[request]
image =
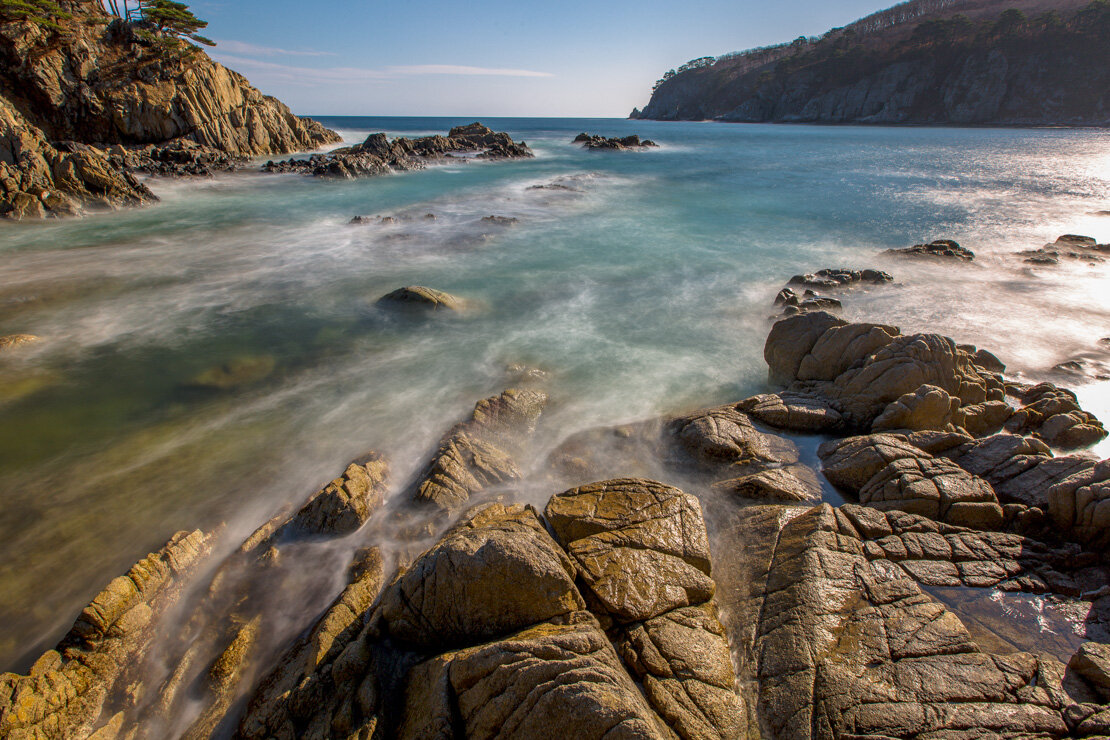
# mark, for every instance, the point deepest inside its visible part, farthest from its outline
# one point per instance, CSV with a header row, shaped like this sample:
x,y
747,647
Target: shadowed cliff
x,y
928,61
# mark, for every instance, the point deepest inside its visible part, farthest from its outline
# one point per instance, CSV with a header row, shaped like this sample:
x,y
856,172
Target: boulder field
x,y
936,569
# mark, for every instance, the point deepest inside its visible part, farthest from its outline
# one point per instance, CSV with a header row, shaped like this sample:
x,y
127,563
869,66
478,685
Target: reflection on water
x,y
218,355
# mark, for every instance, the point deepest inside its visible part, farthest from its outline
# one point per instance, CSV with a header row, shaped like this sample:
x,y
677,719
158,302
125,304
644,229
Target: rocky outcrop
x,y
488,635
848,643
1053,414
38,179
67,688
482,452
1067,247
620,143
380,156
941,249
98,81
913,63
11,341
84,103
872,374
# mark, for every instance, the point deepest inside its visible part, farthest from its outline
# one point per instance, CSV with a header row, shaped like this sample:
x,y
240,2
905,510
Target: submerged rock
x,y
11,341
417,297
238,372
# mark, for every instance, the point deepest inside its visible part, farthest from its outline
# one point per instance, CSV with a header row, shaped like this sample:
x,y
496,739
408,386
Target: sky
x,y
491,57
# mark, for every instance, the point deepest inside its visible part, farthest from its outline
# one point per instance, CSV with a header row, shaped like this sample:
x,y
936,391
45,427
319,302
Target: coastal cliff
x,y
89,78
934,62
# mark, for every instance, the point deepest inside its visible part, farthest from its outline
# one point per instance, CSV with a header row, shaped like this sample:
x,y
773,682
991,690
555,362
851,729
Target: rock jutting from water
x,y
618,143
940,249
377,155
457,609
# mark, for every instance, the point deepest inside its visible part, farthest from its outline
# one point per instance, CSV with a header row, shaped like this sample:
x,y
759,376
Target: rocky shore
x,y
938,569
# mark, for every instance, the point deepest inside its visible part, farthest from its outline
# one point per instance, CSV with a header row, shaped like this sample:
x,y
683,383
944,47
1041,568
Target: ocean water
x,y
641,284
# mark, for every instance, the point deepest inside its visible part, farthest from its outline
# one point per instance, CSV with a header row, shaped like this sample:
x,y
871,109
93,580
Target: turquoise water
x,y
644,286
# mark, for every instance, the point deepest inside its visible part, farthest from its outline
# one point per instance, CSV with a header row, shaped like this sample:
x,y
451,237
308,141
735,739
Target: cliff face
x,y
94,81
36,178
1037,72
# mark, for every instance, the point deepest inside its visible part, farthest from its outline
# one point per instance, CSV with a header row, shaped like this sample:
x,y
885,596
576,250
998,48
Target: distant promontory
x,y
1029,62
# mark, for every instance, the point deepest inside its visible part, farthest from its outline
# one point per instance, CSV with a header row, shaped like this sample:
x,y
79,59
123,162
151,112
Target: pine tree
x,y
175,19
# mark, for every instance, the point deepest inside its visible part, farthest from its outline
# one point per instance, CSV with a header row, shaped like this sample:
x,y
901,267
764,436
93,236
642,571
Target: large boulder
x,y
935,488
793,411
494,573
640,547
547,681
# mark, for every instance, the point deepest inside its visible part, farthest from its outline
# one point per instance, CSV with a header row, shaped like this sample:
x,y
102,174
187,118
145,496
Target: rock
x,y
11,341
791,340
841,347
418,297
328,673
67,688
860,369
786,297
640,547
495,572
980,419
37,179
1054,415
343,505
849,644
547,681
724,438
238,372
695,697
64,90
796,412
942,249
986,360
377,155
1076,240
643,557
934,488
500,220
1080,504
792,483
1092,662
840,278
850,463
480,452
928,408
618,143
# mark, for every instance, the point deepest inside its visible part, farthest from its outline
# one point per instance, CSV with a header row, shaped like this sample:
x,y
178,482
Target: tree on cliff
x,y
45,12
175,19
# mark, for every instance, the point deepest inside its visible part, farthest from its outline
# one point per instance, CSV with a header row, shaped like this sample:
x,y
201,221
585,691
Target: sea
x,y
213,357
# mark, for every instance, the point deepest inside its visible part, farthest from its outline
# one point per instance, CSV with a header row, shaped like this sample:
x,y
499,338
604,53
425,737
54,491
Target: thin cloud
x,y
242,47
318,75
455,69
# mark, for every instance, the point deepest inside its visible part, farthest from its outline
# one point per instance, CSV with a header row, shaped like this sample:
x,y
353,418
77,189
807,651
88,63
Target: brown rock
x,y
493,573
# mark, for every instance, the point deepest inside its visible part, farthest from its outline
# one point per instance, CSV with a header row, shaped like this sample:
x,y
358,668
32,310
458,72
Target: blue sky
x,y
491,57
